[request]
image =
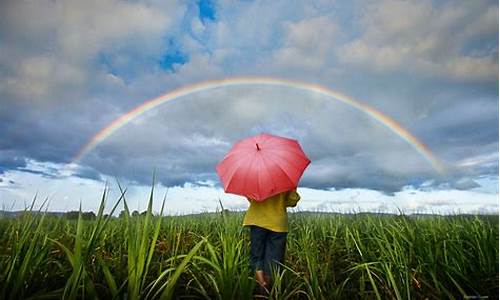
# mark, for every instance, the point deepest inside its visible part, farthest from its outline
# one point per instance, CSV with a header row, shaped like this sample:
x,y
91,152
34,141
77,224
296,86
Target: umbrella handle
x,y
258,149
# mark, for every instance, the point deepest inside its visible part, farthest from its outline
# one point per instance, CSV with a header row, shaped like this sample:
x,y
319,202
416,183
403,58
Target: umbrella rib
x,y
234,170
295,151
260,163
248,167
268,172
234,152
297,155
283,170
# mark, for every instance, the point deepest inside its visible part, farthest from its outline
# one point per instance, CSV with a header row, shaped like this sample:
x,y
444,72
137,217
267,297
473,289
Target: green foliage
x,y
329,256
28,251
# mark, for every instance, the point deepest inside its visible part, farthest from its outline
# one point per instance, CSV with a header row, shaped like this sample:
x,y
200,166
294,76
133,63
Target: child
x,y
268,222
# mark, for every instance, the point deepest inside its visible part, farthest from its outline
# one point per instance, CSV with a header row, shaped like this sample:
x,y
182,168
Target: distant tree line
x,y
86,215
90,215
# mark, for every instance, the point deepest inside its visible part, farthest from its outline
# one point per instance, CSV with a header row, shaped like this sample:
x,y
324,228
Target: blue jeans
x,y
266,249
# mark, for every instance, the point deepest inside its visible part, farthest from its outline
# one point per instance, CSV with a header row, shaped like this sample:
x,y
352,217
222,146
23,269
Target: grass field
x,y
329,256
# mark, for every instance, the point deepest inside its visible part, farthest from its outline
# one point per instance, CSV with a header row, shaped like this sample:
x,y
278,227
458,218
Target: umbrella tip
x,y
258,149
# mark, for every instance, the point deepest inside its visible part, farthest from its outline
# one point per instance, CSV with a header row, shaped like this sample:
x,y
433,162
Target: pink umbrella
x,y
262,166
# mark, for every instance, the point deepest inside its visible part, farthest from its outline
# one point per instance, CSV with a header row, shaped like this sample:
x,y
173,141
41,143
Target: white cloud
x,y
488,159
416,36
37,76
63,193
51,45
488,184
307,44
66,193
199,68
409,201
86,28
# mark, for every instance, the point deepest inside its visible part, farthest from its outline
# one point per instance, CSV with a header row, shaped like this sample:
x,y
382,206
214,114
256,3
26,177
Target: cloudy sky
x,y
70,68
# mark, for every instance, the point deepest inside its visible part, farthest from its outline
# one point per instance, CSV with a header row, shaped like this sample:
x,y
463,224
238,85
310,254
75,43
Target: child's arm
x,y
292,198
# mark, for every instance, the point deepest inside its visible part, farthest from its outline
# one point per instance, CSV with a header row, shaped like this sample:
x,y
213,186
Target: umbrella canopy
x,y
262,166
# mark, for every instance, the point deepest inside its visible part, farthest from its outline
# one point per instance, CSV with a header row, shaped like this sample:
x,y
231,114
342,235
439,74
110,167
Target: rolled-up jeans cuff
x,y
259,266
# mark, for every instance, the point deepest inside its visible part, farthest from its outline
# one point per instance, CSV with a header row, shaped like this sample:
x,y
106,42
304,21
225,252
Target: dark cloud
x,y
465,184
9,160
185,141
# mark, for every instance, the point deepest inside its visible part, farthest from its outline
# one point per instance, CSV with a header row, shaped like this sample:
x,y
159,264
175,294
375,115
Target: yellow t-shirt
x,y
271,213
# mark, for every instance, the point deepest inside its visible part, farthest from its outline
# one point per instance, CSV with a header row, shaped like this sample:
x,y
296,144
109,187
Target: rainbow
x,y
391,124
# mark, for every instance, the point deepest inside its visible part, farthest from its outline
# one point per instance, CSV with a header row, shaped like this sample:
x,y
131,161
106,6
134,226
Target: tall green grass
x,y
28,251
205,256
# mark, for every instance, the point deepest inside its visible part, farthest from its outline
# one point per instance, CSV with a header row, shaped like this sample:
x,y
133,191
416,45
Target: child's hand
x,y
292,198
